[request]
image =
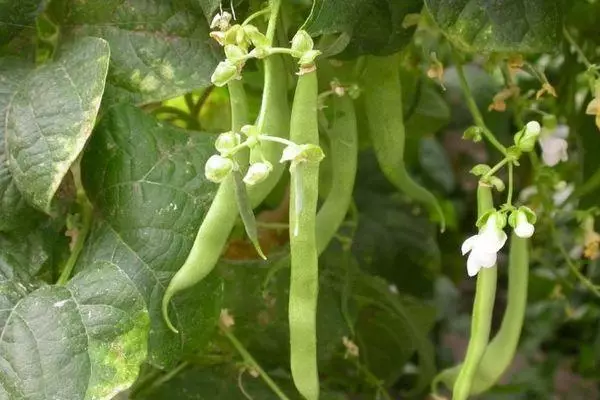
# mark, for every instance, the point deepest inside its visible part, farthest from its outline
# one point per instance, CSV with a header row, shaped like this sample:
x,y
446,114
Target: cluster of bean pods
x,y
250,163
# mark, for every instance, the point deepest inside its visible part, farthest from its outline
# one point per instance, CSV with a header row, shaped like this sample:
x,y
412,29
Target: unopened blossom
x,y
484,246
523,228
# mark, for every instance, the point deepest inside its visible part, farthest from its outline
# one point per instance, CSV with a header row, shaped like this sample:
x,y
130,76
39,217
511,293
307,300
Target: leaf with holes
x,y
147,185
82,341
499,26
49,116
159,49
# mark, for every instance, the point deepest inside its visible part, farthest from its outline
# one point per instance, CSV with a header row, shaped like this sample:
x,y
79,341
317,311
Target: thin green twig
x,y
577,49
86,223
472,105
510,184
252,362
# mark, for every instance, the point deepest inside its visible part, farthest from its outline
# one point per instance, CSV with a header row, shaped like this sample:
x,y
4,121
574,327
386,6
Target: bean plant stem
x,y
577,49
472,105
510,184
495,168
274,6
252,362
86,223
256,15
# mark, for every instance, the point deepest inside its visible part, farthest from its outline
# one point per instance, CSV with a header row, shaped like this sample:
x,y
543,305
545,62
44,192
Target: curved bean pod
x,y
343,153
217,224
383,105
219,221
501,350
304,280
483,307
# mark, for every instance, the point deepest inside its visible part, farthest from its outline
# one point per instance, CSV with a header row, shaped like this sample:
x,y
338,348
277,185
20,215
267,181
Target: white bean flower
x,y
484,246
523,228
554,145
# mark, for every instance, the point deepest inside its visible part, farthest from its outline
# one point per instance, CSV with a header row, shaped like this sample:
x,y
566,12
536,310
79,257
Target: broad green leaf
x,y
395,238
436,164
374,26
50,116
260,310
31,249
159,48
14,210
82,341
392,327
493,26
147,185
16,16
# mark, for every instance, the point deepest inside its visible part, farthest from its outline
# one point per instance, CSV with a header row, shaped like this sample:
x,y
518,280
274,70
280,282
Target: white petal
x,y
554,150
533,127
473,266
561,131
468,244
485,259
491,239
524,230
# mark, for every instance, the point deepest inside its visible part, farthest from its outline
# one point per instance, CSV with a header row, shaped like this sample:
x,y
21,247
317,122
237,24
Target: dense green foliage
x,y
108,120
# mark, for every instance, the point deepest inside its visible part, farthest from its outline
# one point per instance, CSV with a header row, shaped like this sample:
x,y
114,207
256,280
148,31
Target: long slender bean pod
x,y
304,281
501,350
343,154
483,306
218,222
274,115
383,105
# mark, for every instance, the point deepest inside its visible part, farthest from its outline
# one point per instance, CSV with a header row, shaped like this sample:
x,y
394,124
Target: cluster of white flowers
x,y
485,245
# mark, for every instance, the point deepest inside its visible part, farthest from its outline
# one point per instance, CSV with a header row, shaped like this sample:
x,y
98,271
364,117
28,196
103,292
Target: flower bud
x,y
306,152
217,168
234,53
309,57
301,43
473,133
255,36
227,141
525,140
522,222
224,72
257,173
221,21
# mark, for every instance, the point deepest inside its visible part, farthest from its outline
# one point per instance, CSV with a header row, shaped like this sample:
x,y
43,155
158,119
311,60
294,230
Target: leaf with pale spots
x,y
159,49
92,331
493,26
14,210
49,116
147,185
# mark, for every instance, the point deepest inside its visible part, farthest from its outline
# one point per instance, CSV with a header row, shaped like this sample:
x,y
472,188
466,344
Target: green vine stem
x,y
472,105
253,363
86,223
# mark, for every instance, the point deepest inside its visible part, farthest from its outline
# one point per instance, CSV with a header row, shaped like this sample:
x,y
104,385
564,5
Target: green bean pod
x,y
383,106
218,222
501,350
304,281
483,307
343,153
